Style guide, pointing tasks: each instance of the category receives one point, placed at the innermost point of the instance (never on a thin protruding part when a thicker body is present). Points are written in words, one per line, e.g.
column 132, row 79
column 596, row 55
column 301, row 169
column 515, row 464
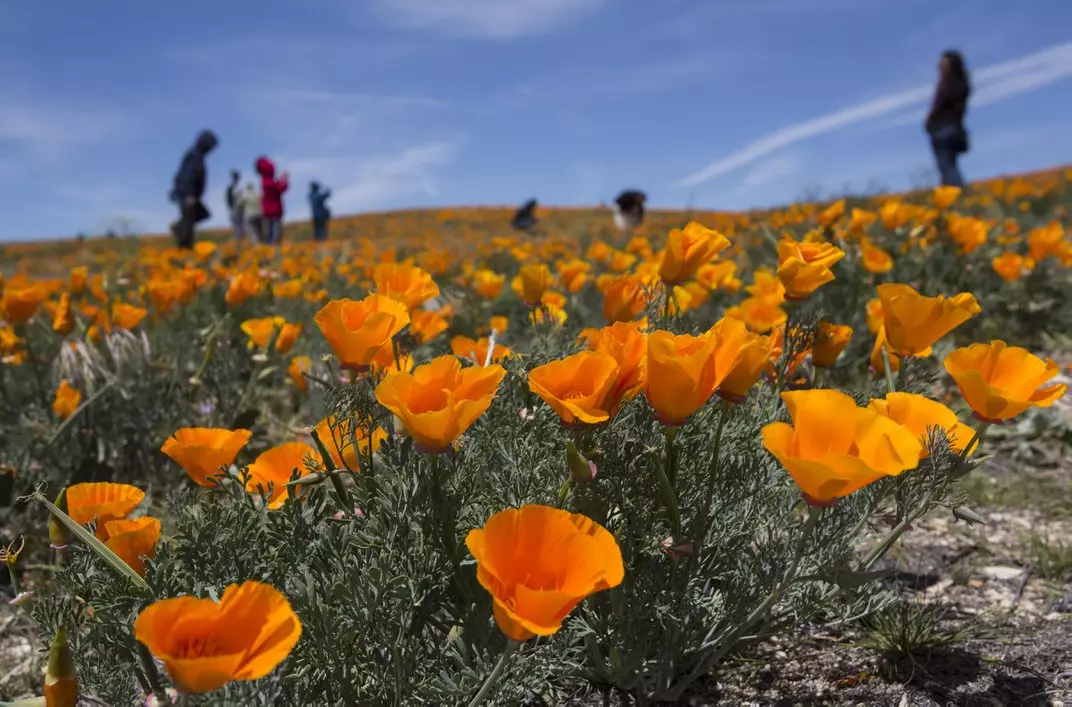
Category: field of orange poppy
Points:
column 438, row 461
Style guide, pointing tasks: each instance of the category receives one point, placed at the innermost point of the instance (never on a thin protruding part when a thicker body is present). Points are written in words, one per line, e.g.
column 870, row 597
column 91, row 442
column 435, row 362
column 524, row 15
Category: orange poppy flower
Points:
column 126, row 316
column 260, row 330
column 440, row 400
column 488, row 284
column 834, row 448
column 242, row 287
column 21, row 304
column 288, row 336
column 681, row 374
column 1010, row 267
column 163, row 294
column 915, row 322
column 875, row 317
column 204, row 644
column 63, row 318
column 66, row 401
column 832, row 213
column 499, row 324
column 427, row 324
column 345, row 441
column 531, row 283
column 944, row 196
column 77, row 281
column 298, row 366
column 132, row 540
column 999, row 381
column 805, row 267
column 753, row 352
column 202, row 451
column 291, row 289
column 830, row 341
column 403, row 283
column 761, row 315
column 538, row 563
column 271, row 471
column 687, row 249
column 580, row 388
column 572, row 274
column 629, row 347
column 102, row 500
column 876, row 260
column 716, row 275
column 624, row 299
column 920, row 414
column 356, row 331
column 476, row 350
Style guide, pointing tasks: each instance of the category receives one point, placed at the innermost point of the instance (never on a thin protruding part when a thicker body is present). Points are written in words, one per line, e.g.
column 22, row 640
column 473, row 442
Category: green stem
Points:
column 667, row 487
column 890, row 386
column 496, row 673
column 15, row 588
column 705, row 510
column 345, row 502
column 149, row 668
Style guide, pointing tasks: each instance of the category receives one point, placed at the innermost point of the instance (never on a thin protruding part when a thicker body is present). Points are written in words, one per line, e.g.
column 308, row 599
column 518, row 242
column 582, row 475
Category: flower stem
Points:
column 151, row 674
column 496, row 673
column 705, row 510
column 890, row 386
column 665, row 472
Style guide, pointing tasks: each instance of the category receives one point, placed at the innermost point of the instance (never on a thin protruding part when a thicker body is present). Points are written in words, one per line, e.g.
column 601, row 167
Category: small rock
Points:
column 1002, row 572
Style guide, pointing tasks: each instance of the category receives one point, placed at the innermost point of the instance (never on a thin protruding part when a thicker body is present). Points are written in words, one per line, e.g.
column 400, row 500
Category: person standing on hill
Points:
column 320, row 212
column 234, row 205
column 525, row 217
column 945, row 121
column 189, row 189
column 272, row 191
column 250, row 203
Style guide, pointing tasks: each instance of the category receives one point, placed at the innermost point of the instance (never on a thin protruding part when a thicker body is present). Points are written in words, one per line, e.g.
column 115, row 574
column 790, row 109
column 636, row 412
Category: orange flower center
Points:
column 196, row 647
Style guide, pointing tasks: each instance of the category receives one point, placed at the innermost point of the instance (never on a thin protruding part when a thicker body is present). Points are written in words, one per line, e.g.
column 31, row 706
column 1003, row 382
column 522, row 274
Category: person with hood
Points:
column 945, row 121
column 272, row 190
column 320, row 212
column 525, row 217
column 250, row 203
column 234, row 205
column 189, row 189
column 629, row 209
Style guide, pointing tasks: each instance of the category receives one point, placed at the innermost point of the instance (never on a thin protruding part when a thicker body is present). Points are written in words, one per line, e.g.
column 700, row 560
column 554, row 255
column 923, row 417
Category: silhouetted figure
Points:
column 629, row 209
column 525, row 217
column 272, row 190
column 250, row 202
column 189, row 188
column 319, row 210
column 945, row 122
column 234, row 205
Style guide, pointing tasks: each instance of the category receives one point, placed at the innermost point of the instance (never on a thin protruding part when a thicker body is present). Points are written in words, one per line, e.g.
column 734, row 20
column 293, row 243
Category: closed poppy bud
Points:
column 403, row 283
column 579, row 387
column 920, row 414
column 488, row 284
column 59, row 537
column 63, row 319
column 915, row 322
column 834, row 448
column 127, row 316
column 944, row 196
column 203, row 451
column 876, row 260
column 272, row 470
column 356, row 331
column 61, row 681
column 531, row 283
column 687, row 249
column 830, row 341
column 805, row 267
column 132, row 540
column 999, row 381
column 206, row 644
column 66, row 400
column 538, row 563
column 681, row 375
column 582, row 471
column 21, row 304
column 624, row 299
column 440, row 400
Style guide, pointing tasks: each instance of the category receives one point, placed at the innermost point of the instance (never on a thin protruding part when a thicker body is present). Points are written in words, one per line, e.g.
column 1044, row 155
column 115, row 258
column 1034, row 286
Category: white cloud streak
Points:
column 485, row 19
column 994, row 83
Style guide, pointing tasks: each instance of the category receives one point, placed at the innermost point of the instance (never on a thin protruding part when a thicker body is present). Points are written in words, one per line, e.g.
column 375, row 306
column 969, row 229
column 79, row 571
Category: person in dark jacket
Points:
column 629, row 209
column 945, row 121
column 234, row 205
column 525, row 217
column 319, row 209
column 189, row 189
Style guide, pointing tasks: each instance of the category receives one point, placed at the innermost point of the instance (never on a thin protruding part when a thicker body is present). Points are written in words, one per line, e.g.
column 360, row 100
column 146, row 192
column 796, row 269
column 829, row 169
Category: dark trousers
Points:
column 320, row 229
column 183, row 229
column 946, row 142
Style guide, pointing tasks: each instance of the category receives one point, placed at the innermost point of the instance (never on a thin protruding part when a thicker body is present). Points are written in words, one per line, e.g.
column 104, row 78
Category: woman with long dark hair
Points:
column 945, row 122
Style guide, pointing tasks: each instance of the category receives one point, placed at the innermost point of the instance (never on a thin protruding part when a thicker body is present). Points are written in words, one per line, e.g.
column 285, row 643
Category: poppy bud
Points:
column 61, row 683
column 58, row 535
column 582, row 470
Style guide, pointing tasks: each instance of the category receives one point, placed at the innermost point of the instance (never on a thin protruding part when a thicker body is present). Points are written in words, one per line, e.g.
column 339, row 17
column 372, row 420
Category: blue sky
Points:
column 722, row 103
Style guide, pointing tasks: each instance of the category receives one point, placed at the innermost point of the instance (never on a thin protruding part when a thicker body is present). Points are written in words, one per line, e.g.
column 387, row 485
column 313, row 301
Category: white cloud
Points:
column 487, row 19
column 50, row 129
column 995, row 83
column 771, row 170
column 378, row 181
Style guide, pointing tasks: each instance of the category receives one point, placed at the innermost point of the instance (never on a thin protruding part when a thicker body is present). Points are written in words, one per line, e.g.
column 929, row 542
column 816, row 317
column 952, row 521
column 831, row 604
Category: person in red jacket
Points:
column 271, row 200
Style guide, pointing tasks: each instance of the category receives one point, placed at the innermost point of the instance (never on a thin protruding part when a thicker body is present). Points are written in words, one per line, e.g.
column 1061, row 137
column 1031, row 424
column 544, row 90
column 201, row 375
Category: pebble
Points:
column 1003, row 572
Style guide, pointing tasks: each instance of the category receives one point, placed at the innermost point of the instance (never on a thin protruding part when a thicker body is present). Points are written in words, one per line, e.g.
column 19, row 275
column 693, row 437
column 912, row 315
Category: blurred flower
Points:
column 66, row 401
column 531, row 283
column 427, row 325
column 1045, row 240
column 832, row 213
column 476, row 350
column 875, row 260
column 440, row 400
column 203, row 451
column 920, row 414
column 272, row 470
column 999, row 381
column 132, row 540
column 804, row 267
column 243, row 286
column 833, row 448
column 915, row 322
column 77, row 281
column 260, row 330
column 538, row 563
column 126, row 316
column 687, row 249
column 21, row 304
column 298, row 366
column 356, row 331
column 1010, row 266
column 759, row 314
column 572, row 274
column 63, row 319
column 624, row 299
column 101, row 500
column 204, row 644
column 488, row 284
column 403, row 283
column 944, row 196
column 830, row 341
